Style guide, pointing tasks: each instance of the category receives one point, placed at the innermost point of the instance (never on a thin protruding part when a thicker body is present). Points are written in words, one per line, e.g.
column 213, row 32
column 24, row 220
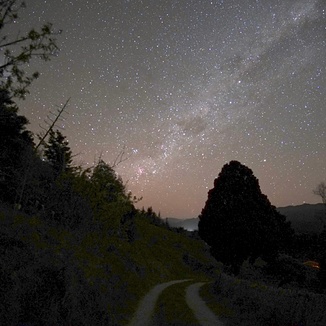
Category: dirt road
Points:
column 146, row 307
column 144, row 313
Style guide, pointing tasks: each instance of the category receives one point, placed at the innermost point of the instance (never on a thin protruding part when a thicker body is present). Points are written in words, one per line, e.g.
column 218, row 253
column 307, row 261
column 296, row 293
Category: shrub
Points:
column 258, row 304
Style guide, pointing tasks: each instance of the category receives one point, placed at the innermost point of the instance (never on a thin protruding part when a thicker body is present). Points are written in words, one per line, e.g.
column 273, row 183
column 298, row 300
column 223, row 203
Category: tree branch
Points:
column 52, row 124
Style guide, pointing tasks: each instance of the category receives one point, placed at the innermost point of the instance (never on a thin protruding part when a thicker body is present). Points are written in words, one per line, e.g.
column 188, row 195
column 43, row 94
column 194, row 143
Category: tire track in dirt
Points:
column 203, row 314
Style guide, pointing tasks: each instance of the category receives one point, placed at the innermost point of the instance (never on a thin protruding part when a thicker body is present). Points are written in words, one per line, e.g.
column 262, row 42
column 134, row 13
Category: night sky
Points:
column 183, row 87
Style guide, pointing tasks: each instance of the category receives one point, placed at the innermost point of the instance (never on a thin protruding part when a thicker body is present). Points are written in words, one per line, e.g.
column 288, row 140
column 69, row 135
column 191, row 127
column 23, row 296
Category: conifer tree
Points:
column 58, row 153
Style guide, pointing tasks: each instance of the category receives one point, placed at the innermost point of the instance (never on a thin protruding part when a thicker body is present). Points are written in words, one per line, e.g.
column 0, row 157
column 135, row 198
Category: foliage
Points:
column 166, row 312
column 320, row 190
column 238, row 221
column 19, row 51
column 152, row 217
column 74, row 249
column 108, row 183
column 94, row 277
column 321, row 256
column 16, row 147
column 305, row 246
column 58, row 153
column 254, row 303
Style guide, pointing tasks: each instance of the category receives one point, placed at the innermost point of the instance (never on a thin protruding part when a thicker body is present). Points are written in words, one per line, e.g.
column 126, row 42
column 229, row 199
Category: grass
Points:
column 106, row 276
column 172, row 309
column 109, row 272
column 254, row 303
column 220, row 306
column 159, row 252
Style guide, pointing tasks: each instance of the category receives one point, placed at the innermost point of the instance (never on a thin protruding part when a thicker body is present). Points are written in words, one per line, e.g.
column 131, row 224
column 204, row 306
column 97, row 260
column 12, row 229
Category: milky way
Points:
column 182, row 87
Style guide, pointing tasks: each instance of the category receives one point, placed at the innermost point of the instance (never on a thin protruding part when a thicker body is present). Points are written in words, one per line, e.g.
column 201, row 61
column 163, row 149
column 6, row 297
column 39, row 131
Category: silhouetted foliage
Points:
column 19, row 50
column 320, row 190
column 321, row 253
column 16, row 148
column 153, row 218
column 304, row 246
column 238, row 221
column 107, row 182
column 58, row 153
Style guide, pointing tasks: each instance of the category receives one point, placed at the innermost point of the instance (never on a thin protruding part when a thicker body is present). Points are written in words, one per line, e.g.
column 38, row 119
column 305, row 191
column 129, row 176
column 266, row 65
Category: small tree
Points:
column 104, row 191
column 108, row 182
column 238, row 221
column 320, row 190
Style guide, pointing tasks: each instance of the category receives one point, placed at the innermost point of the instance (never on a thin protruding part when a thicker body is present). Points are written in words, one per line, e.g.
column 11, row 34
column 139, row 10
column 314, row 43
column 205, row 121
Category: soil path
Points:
column 146, row 307
column 203, row 314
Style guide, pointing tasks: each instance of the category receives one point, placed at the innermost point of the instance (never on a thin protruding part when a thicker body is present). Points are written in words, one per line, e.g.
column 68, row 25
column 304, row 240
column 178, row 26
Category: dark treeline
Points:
column 45, row 200
column 59, row 223
column 66, row 231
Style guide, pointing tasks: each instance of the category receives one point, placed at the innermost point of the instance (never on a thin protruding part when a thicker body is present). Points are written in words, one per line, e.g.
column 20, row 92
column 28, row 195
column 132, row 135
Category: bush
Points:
column 258, row 304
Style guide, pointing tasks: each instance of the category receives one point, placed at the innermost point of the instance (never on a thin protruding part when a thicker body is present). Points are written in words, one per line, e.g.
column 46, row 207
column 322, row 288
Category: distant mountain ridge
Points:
column 189, row 224
column 304, row 218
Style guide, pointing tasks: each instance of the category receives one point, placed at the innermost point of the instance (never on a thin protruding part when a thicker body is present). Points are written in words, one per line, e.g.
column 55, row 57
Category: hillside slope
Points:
column 96, row 276
column 305, row 218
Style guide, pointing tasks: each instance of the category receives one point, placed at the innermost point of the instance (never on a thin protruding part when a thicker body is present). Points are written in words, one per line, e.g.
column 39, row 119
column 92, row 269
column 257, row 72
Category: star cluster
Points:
column 182, row 87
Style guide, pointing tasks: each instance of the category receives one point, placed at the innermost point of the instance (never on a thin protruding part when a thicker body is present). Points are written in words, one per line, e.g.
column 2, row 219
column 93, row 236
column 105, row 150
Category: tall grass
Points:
column 257, row 304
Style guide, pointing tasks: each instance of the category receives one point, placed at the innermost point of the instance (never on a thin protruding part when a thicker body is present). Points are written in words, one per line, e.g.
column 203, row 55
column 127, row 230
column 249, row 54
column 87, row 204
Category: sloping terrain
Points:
column 97, row 278
column 305, row 218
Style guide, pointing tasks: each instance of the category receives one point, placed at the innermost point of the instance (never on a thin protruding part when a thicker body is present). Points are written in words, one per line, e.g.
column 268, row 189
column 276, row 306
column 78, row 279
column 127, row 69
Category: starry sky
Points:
column 185, row 86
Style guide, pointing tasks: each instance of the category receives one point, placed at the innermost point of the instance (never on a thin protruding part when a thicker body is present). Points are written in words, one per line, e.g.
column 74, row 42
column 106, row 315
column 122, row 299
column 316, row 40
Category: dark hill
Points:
column 189, row 224
column 304, row 218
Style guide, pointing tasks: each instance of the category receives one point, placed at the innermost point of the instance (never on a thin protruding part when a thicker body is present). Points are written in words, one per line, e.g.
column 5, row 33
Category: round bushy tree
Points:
column 238, row 221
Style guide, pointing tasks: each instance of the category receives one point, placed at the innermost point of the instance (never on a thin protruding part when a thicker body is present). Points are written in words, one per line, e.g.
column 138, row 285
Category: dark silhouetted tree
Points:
column 108, row 182
column 16, row 145
column 106, row 194
column 58, row 153
column 19, row 50
column 320, row 190
column 239, row 222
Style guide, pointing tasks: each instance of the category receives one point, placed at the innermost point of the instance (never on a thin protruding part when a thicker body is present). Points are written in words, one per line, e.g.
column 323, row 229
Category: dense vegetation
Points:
column 74, row 249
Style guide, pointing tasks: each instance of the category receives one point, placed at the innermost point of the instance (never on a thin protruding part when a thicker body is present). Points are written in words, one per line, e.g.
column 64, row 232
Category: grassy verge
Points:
column 220, row 306
column 172, row 309
column 254, row 303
